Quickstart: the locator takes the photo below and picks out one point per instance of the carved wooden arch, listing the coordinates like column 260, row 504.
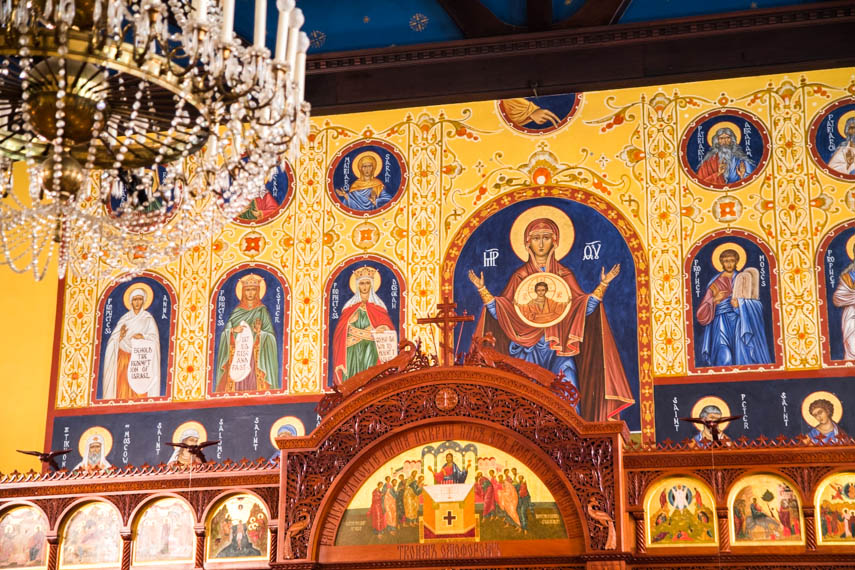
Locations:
column 139, row 510
column 817, row 485
column 669, row 474
column 221, row 498
column 774, row 472
column 6, row 508
column 73, row 506
column 373, row 457
column 315, row 469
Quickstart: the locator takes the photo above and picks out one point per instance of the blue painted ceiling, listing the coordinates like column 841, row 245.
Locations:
column 345, row 25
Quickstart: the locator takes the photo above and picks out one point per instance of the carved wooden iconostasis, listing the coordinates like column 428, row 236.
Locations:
column 639, row 255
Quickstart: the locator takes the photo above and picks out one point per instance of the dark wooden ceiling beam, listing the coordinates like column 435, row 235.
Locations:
column 627, row 55
column 475, row 20
column 595, row 13
column 538, row 14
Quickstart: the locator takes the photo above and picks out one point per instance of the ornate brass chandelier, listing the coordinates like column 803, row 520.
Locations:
column 143, row 126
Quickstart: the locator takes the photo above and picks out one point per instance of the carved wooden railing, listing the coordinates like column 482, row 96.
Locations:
column 128, row 488
column 797, row 460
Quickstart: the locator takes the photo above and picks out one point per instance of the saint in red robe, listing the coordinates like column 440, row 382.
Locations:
column 375, row 513
column 377, row 317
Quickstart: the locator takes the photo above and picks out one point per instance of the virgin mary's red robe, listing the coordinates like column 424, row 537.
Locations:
column 603, row 386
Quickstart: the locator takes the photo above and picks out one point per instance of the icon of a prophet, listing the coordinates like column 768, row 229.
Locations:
column 725, row 162
column 732, row 314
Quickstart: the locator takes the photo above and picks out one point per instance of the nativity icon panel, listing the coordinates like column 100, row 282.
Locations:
column 249, row 326
column 831, row 139
column 539, row 115
column 724, row 149
column 837, row 288
column 451, row 491
column 367, row 177
column 366, row 304
column 731, row 290
column 134, row 341
column 553, row 282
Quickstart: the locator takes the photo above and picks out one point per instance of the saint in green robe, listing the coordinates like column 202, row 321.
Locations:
column 363, row 354
column 263, row 359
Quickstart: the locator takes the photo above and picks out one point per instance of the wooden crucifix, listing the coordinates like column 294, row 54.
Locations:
column 447, row 319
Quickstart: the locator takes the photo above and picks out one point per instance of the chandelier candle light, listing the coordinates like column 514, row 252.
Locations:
column 142, row 126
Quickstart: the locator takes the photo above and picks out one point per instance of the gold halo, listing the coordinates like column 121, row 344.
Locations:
column 841, row 122
column 566, row 232
column 737, row 132
column 377, row 280
column 203, row 434
column 93, row 431
column 262, row 289
column 525, row 293
column 354, row 166
column 293, row 421
column 149, row 295
column 811, row 398
column 711, row 401
column 850, row 247
column 728, row 245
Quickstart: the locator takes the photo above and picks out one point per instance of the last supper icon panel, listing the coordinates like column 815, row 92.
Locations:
column 451, row 491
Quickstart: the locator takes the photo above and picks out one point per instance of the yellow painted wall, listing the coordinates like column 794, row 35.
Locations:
column 28, row 310
column 623, row 147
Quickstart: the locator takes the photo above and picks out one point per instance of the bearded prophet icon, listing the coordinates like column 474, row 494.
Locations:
column 247, row 359
column 725, row 162
column 725, row 148
column 831, row 139
column 543, row 316
column 364, row 335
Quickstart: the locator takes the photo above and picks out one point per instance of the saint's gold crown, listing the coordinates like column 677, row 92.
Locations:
column 252, row 280
column 364, row 272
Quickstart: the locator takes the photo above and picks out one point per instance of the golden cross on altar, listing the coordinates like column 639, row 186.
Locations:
column 447, row 319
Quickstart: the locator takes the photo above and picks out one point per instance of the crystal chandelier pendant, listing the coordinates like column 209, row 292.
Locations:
column 144, row 127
